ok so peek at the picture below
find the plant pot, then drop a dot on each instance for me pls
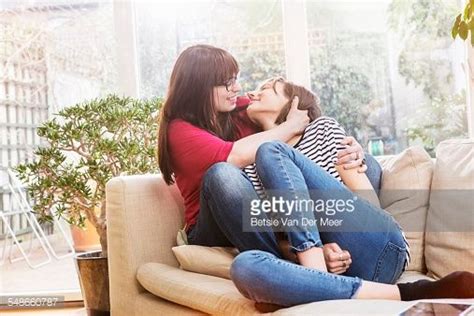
(94, 278)
(85, 239)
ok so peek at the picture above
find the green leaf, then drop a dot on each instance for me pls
(455, 29)
(471, 24)
(467, 12)
(463, 30)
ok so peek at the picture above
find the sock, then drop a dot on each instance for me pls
(459, 284)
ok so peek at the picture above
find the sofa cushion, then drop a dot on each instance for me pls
(449, 244)
(147, 303)
(213, 261)
(214, 295)
(205, 293)
(412, 276)
(405, 194)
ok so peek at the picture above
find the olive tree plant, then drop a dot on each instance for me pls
(85, 146)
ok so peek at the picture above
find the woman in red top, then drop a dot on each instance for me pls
(205, 139)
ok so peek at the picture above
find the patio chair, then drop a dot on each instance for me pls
(19, 205)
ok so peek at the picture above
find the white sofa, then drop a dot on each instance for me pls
(144, 215)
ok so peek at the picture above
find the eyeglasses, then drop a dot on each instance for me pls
(230, 83)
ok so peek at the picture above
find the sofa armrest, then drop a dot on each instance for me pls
(143, 217)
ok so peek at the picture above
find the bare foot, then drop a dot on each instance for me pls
(312, 258)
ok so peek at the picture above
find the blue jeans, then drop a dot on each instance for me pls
(219, 222)
(264, 278)
(370, 234)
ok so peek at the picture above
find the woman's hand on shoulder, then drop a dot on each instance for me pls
(353, 156)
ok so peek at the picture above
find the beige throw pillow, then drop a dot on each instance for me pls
(449, 244)
(405, 194)
(213, 261)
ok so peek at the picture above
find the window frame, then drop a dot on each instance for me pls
(469, 71)
(125, 29)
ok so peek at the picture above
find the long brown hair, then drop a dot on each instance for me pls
(307, 99)
(196, 72)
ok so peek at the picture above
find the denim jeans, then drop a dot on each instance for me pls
(370, 234)
(373, 172)
(219, 223)
(264, 278)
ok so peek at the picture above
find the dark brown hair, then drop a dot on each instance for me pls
(196, 72)
(307, 99)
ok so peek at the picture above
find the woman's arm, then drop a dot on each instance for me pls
(350, 164)
(358, 183)
(244, 150)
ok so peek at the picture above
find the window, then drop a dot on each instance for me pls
(53, 54)
(250, 30)
(389, 70)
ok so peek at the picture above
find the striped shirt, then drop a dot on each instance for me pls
(320, 143)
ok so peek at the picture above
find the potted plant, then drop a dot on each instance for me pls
(87, 145)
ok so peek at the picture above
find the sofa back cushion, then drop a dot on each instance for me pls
(404, 193)
(449, 243)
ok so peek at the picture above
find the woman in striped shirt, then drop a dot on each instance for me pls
(320, 142)
(358, 239)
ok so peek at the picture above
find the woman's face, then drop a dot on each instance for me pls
(268, 100)
(225, 95)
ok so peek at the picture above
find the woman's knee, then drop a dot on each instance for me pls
(223, 175)
(247, 267)
(243, 269)
(243, 265)
(267, 150)
(219, 171)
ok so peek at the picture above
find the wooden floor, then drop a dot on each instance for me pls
(73, 311)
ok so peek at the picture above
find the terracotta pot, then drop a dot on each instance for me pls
(94, 278)
(85, 239)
